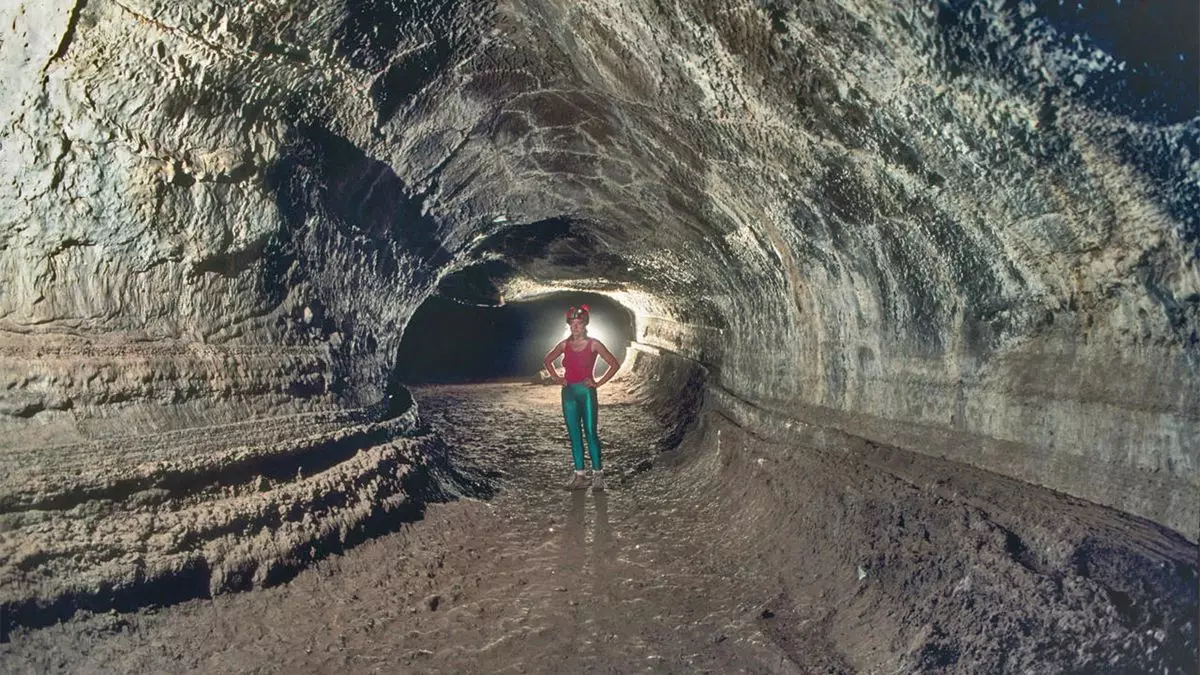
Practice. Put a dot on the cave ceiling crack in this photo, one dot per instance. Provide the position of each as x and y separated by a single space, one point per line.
64 149
68 36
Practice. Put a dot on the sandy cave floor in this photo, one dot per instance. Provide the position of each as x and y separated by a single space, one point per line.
536 579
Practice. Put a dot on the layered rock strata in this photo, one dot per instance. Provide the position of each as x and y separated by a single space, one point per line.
157 518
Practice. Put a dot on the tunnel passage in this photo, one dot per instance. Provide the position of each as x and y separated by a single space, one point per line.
458 337
447 341
229 231
264 244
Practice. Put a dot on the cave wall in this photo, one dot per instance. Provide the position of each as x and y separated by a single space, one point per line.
936 226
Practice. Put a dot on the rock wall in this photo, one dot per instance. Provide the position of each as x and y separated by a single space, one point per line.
963 230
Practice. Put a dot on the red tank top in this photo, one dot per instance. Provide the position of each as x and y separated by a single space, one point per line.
579 364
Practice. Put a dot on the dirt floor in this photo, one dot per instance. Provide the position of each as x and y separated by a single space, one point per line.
730 554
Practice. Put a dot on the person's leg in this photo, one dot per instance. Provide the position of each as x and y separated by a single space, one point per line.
591 411
571 413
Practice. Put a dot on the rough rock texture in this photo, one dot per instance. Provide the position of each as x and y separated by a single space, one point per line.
732 553
165 517
962 230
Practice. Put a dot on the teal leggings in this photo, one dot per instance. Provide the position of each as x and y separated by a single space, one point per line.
579 410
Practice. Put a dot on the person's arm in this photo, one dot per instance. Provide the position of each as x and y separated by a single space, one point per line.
613 363
551 357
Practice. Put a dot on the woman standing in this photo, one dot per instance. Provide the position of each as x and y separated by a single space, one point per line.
579 403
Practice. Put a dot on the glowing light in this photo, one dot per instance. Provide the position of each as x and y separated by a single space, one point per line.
595 329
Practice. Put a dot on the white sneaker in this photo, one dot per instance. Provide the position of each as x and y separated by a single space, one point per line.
578 482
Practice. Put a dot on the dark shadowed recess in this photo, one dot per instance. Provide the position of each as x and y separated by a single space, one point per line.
405 42
1152 75
1158 41
321 173
406 77
559 243
371 30
339 204
1154 47
447 341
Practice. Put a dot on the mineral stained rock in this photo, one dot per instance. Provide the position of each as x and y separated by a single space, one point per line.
966 230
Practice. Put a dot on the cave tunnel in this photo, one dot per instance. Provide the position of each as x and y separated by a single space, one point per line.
905 296
448 341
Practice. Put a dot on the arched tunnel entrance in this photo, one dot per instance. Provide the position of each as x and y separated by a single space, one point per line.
447 341
456 349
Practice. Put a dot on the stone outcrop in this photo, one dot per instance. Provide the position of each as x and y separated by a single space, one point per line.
969 233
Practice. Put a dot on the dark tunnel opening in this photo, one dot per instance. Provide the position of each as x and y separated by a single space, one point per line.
448 342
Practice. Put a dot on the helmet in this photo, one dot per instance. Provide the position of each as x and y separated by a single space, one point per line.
580 312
